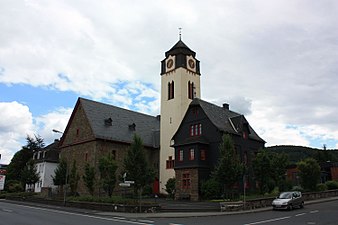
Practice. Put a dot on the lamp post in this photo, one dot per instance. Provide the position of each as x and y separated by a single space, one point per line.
66 180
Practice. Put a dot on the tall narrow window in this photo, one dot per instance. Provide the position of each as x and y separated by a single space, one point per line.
191 90
196 129
192 130
186 180
171 90
192 154
180 155
203 155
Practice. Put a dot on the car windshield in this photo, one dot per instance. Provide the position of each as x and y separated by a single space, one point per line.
285 195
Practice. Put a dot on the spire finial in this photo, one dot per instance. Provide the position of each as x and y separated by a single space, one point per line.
180 32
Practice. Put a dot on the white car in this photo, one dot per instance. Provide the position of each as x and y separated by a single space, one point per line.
288 200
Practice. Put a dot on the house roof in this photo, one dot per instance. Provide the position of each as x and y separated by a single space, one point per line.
224 119
109 122
51 152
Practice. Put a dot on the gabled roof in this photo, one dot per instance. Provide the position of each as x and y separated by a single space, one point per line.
51 152
180 48
109 122
224 119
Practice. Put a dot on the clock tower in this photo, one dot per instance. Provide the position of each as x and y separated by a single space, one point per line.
180 84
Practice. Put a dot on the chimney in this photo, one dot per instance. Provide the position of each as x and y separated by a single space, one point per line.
226 106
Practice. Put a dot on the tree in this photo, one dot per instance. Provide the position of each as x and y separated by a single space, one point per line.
170 187
136 165
74 178
270 169
279 167
263 171
18 163
309 173
229 168
30 173
89 178
60 176
21 158
211 189
35 143
108 167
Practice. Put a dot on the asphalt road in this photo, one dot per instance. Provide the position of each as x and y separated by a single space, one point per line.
325 213
13 214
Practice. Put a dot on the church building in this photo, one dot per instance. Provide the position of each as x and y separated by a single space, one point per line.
182 142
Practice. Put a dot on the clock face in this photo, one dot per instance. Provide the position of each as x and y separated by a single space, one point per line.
191 63
170 63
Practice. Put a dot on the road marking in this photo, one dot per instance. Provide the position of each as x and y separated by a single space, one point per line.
268 221
301 214
119 218
7 210
146 221
122 220
314 211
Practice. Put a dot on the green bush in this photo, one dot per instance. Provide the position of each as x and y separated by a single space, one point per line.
321 187
332 184
17 194
210 189
112 200
147 191
14 186
170 187
297 188
285 185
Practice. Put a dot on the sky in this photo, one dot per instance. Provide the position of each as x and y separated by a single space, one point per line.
274 61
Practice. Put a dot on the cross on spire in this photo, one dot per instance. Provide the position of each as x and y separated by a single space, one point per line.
180 32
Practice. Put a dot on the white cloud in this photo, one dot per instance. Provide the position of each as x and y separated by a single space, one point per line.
276 62
56 120
16 122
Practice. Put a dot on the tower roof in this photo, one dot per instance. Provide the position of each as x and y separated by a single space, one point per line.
180 48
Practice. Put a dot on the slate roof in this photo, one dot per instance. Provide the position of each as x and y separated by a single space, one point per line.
180 48
109 122
51 152
224 119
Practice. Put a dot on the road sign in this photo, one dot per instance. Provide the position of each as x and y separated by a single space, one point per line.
2 182
124 185
129 182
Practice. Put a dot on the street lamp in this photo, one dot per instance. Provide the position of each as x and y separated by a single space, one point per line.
66 181
57 131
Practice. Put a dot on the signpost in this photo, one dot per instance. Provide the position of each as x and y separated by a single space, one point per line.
124 185
2 182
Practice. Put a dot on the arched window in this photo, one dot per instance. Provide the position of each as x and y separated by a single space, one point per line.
191 90
171 90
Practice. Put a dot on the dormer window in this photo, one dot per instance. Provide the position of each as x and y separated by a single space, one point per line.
132 127
108 122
